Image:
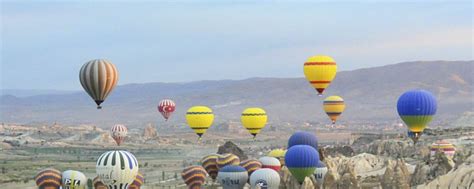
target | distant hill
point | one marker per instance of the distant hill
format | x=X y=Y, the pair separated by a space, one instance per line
x=370 y=94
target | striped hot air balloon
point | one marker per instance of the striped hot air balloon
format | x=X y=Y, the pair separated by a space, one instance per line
x=98 y=78
x=166 y=107
x=320 y=71
x=199 y=118
x=138 y=182
x=98 y=184
x=301 y=160
x=73 y=180
x=119 y=133
x=232 y=177
x=194 y=176
x=251 y=165
x=279 y=154
x=443 y=146
x=227 y=159
x=304 y=138
x=265 y=179
x=117 y=169
x=254 y=120
x=334 y=106
x=209 y=163
x=416 y=108
x=48 y=178
x=270 y=162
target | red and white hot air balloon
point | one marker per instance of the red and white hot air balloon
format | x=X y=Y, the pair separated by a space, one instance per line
x=119 y=132
x=166 y=107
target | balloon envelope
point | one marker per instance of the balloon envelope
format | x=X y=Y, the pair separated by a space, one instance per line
x=227 y=159
x=416 y=108
x=117 y=168
x=199 y=118
x=254 y=120
x=270 y=162
x=265 y=179
x=194 y=176
x=320 y=172
x=137 y=182
x=98 y=78
x=279 y=154
x=301 y=160
x=320 y=71
x=251 y=165
x=443 y=146
x=119 y=133
x=166 y=107
x=232 y=177
x=303 y=138
x=209 y=163
x=48 y=178
x=334 y=106
x=73 y=180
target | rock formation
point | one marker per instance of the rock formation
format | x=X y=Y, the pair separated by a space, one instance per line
x=462 y=177
x=149 y=132
x=230 y=147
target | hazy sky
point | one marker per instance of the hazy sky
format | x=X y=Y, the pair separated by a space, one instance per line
x=44 y=44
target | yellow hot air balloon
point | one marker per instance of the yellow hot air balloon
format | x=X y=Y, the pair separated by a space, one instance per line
x=199 y=118
x=320 y=71
x=334 y=106
x=254 y=120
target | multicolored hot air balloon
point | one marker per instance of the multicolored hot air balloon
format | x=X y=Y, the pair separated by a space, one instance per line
x=166 y=107
x=138 y=182
x=194 y=176
x=98 y=184
x=117 y=169
x=209 y=163
x=303 y=138
x=199 y=118
x=320 y=172
x=227 y=159
x=279 y=154
x=251 y=165
x=254 y=120
x=232 y=177
x=334 y=106
x=119 y=133
x=265 y=179
x=73 y=180
x=270 y=162
x=301 y=160
x=416 y=108
x=48 y=178
x=98 y=78
x=320 y=71
x=443 y=146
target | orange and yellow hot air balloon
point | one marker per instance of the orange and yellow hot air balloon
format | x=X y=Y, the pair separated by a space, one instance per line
x=320 y=71
x=334 y=106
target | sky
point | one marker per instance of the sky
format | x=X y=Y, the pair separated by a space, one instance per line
x=44 y=43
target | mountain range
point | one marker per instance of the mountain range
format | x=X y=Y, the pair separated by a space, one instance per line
x=370 y=95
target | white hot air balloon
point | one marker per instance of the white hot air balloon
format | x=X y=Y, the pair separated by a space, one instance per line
x=73 y=180
x=117 y=169
x=232 y=177
x=265 y=178
x=320 y=172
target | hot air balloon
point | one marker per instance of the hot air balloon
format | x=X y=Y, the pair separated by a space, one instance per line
x=73 y=180
x=265 y=179
x=209 y=163
x=301 y=160
x=194 y=176
x=279 y=154
x=334 y=106
x=416 y=108
x=414 y=137
x=270 y=162
x=48 y=179
x=320 y=71
x=119 y=133
x=199 y=118
x=138 y=182
x=232 y=177
x=98 y=184
x=320 y=172
x=166 y=107
x=98 y=78
x=117 y=169
x=443 y=146
x=304 y=138
x=254 y=120
x=251 y=165
x=227 y=159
